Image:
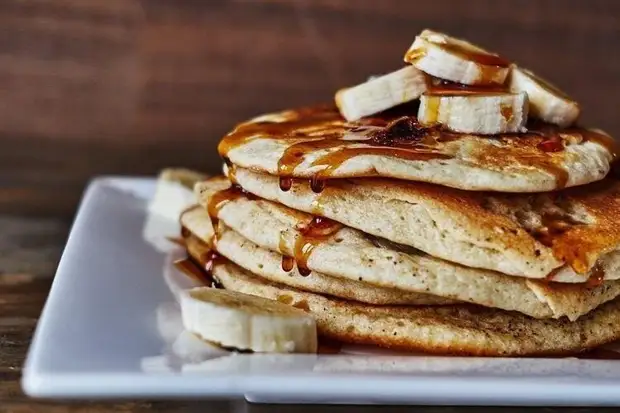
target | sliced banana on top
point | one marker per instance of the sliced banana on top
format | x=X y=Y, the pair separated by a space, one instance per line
x=453 y=59
x=487 y=114
x=381 y=93
x=547 y=102
x=247 y=322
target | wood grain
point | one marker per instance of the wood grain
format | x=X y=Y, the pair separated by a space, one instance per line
x=128 y=86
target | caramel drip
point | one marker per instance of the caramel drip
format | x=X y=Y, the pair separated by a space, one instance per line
x=335 y=159
x=482 y=58
x=287 y=263
x=432 y=110
x=441 y=87
x=597 y=276
x=221 y=198
x=294 y=155
x=606 y=141
x=232 y=175
x=553 y=144
x=286 y=183
x=551 y=235
x=552 y=227
x=318 y=230
x=303 y=124
x=317 y=184
x=217 y=202
x=551 y=276
x=507 y=112
x=203 y=257
x=414 y=55
x=191 y=269
x=282 y=246
x=561 y=175
x=176 y=240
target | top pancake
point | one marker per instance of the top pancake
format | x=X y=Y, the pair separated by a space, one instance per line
x=317 y=142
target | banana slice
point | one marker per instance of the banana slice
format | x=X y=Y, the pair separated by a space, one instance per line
x=547 y=102
x=247 y=322
x=478 y=114
x=381 y=93
x=453 y=59
x=174 y=192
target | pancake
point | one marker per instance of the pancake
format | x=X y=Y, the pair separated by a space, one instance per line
x=455 y=329
x=267 y=264
x=568 y=236
x=346 y=253
x=318 y=143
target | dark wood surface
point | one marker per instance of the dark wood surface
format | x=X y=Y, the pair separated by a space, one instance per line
x=129 y=86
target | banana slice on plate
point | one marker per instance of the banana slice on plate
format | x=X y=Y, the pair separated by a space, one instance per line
x=453 y=59
x=547 y=102
x=174 y=192
x=381 y=93
x=247 y=322
x=486 y=114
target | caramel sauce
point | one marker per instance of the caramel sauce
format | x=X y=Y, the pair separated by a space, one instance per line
x=414 y=55
x=561 y=175
x=288 y=263
x=553 y=144
x=317 y=185
x=480 y=57
x=285 y=299
x=551 y=276
x=553 y=235
x=597 y=276
x=221 y=198
x=304 y=123
x=606 y=141
x=232 y=175
x=203 y=257
x=403 y=138
x=177 y=240
x=442 y=87
x=302 y=305
x=286 y=183
x=294 y=155
x=507 y=112
x=552 y=227
x=191 y=269
x=312 y=234
x=334 y=160
x=432 y=110
x=282 y=247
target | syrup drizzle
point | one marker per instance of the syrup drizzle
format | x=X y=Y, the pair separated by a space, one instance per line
x=442 y=87
x=322 y=129
x=313 y=233
x=597 y=276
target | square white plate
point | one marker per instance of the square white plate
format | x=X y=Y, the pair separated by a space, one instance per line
x=108 y=326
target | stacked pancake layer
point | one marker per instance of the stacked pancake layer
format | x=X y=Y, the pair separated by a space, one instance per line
x=384 y=251
x=415 y=232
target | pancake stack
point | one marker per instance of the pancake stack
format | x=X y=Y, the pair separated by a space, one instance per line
x=451 y=207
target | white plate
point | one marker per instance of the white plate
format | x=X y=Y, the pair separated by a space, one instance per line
x=109 y=329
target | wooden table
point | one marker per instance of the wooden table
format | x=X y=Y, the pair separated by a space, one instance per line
x=29 y=251
x=130 y=86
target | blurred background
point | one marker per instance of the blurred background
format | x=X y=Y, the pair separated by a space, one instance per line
x=92 y=87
